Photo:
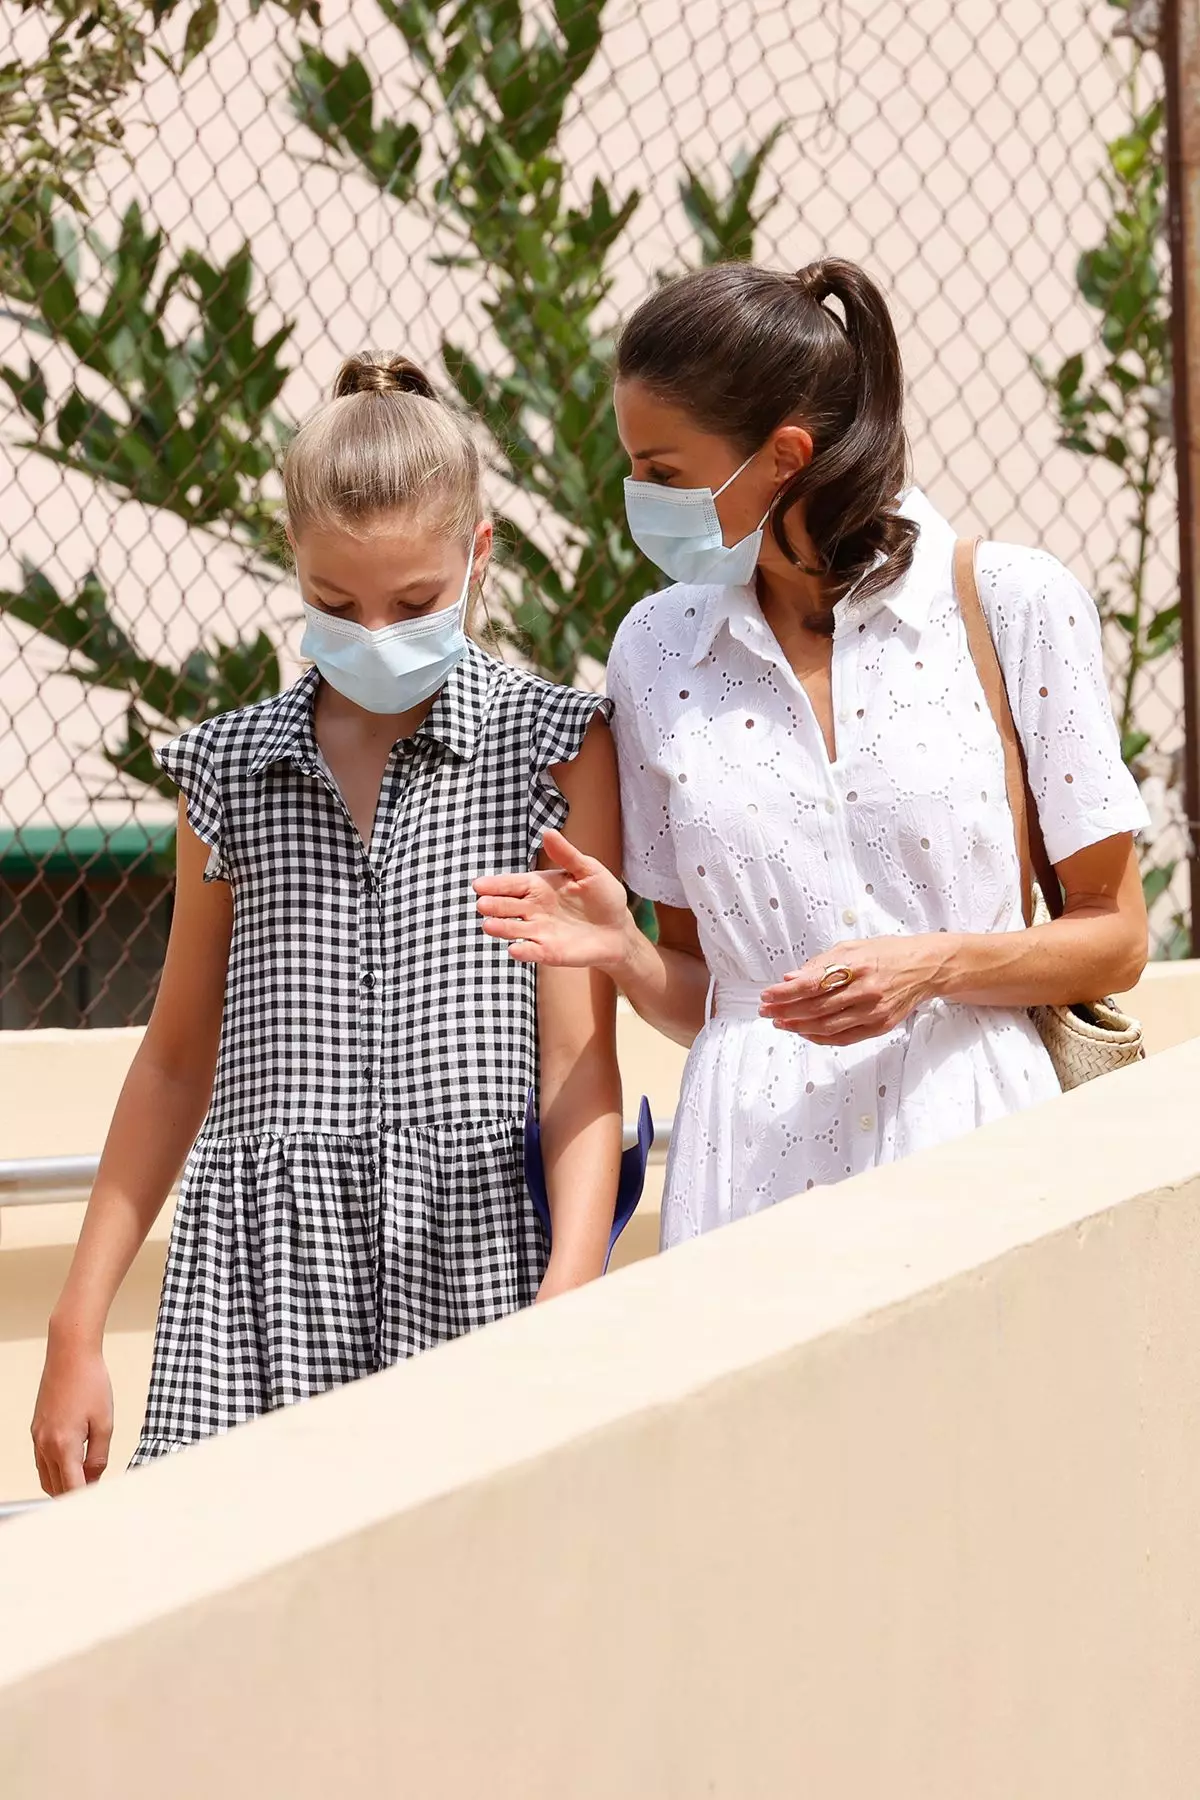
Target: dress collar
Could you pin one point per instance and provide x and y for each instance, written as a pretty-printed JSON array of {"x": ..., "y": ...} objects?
[
  {"x": 910, "y": 599},
  {"x": 455, "y": 721}
]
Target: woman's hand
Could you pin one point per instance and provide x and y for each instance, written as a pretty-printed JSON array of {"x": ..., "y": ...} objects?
[
  {"x": 891, "y": 977},
  {"x": 574, "y": 915},
  {"x": 73, "y": 1418}
]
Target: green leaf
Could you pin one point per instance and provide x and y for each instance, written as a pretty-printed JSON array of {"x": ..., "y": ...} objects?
[
  {"x": 201, "y": 30},
  {"x": 1066, "y": 382},
  {"x": 394, "y": 158},
  {"x": 726, "y": 224},
  {"x": 29, "y": 391},
  {"x": 1164, "y": 631},
  {"x": 74, "y": 417},
  {"x": 1133, "y": 745},
  {"x": 1128, "y": 156},
  {"x": 1155, "y": 883}
]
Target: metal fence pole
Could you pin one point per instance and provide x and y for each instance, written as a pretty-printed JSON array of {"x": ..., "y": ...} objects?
[{"x": 1181, "y": 62}]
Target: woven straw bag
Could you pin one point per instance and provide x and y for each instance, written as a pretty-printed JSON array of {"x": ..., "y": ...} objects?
[{"x": 1092, "y": 1037}]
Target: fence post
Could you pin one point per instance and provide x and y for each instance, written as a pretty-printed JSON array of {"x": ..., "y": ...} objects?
[{"x": 1180, "y": 45}]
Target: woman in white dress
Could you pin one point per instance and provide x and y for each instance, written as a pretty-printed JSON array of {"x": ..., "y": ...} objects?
[{"x": 812, "y": 782}]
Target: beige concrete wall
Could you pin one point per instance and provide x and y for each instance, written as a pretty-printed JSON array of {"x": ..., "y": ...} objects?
[
  {"x": 57, "y": 1092},
  {"x": 890, "y": 1491}
]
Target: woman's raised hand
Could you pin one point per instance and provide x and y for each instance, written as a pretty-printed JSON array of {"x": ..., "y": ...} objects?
[{"x": 573, "y": 914}]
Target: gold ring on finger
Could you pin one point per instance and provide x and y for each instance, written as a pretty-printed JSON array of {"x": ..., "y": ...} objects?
[{"x": 836, "y": 976}]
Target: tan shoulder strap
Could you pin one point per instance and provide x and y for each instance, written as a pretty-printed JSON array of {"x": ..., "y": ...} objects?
[{"x": 1031, "y": 848}]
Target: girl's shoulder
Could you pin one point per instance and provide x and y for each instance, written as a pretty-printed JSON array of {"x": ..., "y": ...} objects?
[
  {"x": 246, "y": 737},
  {"x": 553, "y": 713}
]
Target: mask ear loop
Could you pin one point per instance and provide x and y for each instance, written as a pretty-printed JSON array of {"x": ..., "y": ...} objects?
[
  {"x": 493, "y": 634},
  {"x": 717, "y": 492}
]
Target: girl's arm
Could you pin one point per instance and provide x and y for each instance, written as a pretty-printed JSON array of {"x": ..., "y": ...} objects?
[
  {"x": 161, "y": 1108},
  {"x": 580, "y": 1098}
]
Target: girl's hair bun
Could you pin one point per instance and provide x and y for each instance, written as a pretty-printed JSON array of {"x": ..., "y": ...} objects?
[{"x": 372, "y": 374}]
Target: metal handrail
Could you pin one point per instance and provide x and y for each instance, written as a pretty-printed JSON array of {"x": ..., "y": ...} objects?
[
  {"x": 46, "y": 1180},
  {"x": 56, "y": 1180}
]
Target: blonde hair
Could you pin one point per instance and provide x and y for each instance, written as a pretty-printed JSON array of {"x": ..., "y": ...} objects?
[{"x": 383, "y": 443}]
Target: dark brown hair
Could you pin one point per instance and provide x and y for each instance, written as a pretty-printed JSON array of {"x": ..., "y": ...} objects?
[{"x": 743, "y": 349}]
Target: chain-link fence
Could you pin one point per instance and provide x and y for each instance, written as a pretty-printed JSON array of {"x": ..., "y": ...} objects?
[{"x": 203, "y": 207}]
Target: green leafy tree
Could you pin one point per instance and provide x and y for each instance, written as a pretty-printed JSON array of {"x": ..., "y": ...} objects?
[
  {"x": 184, "y": 415},
  {"x": 183, "y": 419},
  {"x": 62, "y": 109},
  {"x": 188, "y": 423},
  {"x": 1113, "y": 403},
  {"x": 501, "y": 78}
]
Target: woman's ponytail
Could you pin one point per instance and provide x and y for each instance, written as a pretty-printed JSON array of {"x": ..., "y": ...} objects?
[{"x": 850, "y": 487}]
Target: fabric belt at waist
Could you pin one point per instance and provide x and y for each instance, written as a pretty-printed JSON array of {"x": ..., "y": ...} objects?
[{"x": 735, "y": 999}]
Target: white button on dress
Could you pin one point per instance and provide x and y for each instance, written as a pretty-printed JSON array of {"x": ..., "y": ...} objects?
[{"x": 764, "y": 1114}]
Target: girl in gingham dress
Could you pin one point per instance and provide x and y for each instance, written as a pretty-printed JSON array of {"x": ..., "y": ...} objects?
[{"x": 354, "y": 1055}]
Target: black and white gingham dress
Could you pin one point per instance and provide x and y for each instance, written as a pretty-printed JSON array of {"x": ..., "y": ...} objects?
[{"x": 356, "y": 1193}]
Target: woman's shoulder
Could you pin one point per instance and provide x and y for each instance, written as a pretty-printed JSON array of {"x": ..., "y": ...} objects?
[
  {"x": 1021, "y": 581},
  {"x": 1043, "y": 621},
  {"x": 665, "y": 621}
]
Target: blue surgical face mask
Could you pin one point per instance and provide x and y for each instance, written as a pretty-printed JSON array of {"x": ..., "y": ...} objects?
[
  {"x": 678, "y": 529},
  {"x": 395, "y": 668}
]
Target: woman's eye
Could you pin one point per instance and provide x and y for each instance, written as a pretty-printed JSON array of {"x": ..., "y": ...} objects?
[{"x": 663, "y": 477}]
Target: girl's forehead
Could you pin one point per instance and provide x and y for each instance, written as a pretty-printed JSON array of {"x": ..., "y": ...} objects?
[{"x": 399, "y": 542}]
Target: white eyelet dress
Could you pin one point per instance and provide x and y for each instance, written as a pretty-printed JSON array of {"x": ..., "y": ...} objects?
[
  {"x": 356, "y": 1193},
  {"x": 733, "y": 808}
]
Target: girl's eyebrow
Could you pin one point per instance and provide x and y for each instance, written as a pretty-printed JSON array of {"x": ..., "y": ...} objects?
[
  {"x": 645, "y": 455},
  {"x": 406, "y": 587}
]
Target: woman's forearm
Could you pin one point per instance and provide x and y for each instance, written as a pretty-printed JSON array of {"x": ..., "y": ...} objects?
[
  {"x": 1082, "y": 956},
  {"x": 668, "y": 988},
  {"x": 153, "y": 1128}
]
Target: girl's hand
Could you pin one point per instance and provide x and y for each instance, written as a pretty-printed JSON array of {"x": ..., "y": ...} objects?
[
  {"x": 562, "y": 1279},
  {"x": 891, "y": 976},
  {"x": 73, "y": 1418},
  {"x": 573, "y": 915}
]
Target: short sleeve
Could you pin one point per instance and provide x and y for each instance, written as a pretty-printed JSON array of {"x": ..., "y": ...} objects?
[
  {"x": 649, "y": 855},
  {"x": 189, "y": 761},
  {"x": 562, "y": 724},
  {"x": 1048, "y": 638}
]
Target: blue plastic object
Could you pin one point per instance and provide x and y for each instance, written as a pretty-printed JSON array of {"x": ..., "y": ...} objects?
[{"x": 630, "y": 1183}]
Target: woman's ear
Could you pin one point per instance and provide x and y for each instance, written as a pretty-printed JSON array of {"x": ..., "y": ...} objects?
[{"x": 793, "y": 447}]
